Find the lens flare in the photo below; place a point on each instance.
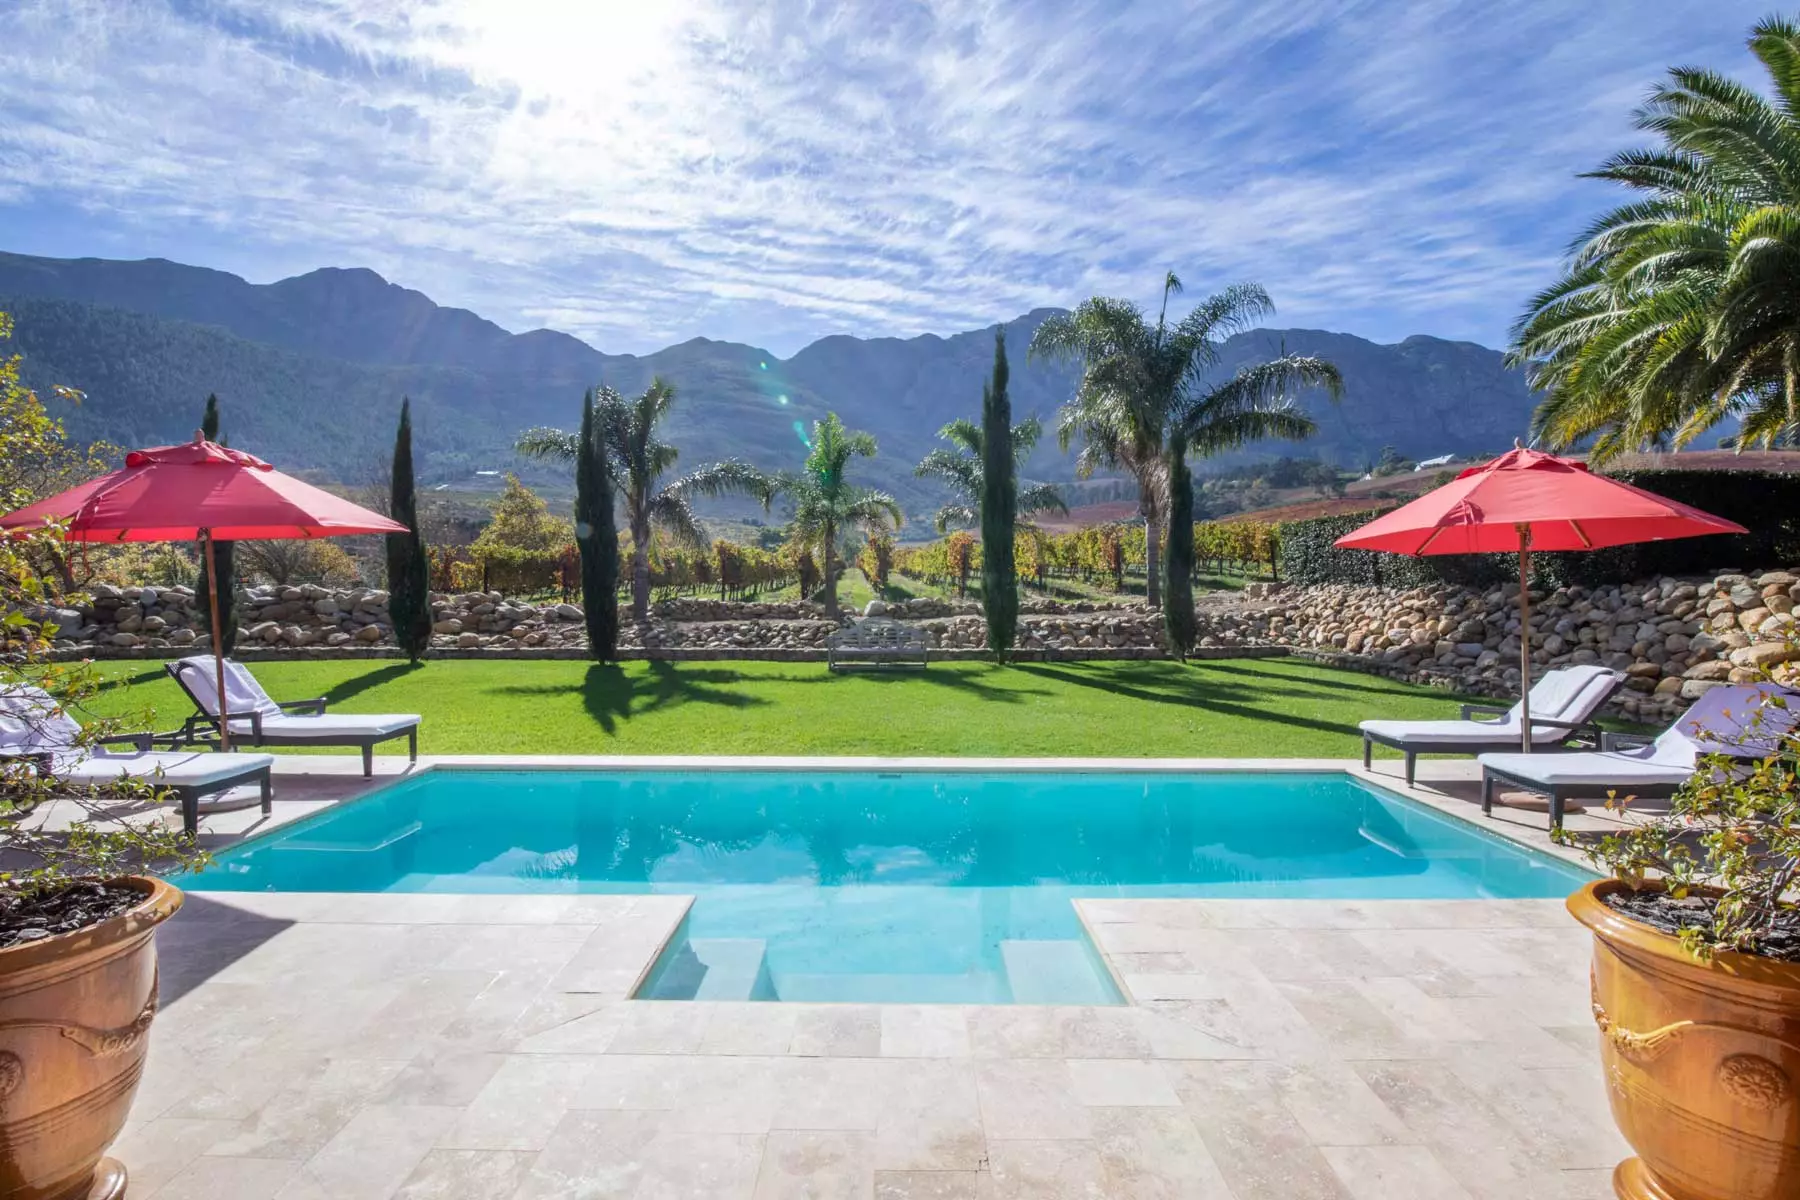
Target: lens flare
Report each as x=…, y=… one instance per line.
x=800, y=432
x=782, y=399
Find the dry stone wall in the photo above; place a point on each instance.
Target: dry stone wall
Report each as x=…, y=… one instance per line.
x=1674, y=638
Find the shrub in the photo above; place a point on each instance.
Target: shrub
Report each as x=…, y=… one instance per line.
x=1728, y=849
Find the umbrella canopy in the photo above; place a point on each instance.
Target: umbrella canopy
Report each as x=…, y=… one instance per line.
x=186, y=492
x=1559, y=501
x=1526, y=500
x=198, y=491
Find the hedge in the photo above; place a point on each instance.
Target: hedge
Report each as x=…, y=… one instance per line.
x=1766, y=503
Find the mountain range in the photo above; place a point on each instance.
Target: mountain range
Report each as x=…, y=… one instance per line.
x=310, y=371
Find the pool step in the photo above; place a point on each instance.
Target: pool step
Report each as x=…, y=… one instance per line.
x=1054, y=972
x=717, y=969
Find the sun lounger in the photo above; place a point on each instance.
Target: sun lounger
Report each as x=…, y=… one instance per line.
x=1633, y=765
x=263, y=722
x=877, y=642
x=1563, y=704
x=33, y=726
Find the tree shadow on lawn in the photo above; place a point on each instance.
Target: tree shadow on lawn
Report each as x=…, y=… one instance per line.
x=1175, y=681
x=1340, y=679
x=1207, y=696
x=958, y=680
x=356, y=685
x=147, y=675
x=610, y=695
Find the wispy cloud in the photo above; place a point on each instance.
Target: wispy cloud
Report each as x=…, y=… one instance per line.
x=642, y=171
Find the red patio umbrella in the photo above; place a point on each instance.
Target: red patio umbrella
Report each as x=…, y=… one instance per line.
x=1526, y=500
x=198, y=491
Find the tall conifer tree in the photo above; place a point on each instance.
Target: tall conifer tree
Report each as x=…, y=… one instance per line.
x=409, y=574
x=595, y=534
x=999, y=508
x=226, y=584
x=1178, y=554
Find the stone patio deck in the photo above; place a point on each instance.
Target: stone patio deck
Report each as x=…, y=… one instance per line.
x=361, y=1047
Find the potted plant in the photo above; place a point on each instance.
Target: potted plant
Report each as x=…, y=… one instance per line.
x=79, y=907
x=1696, y=975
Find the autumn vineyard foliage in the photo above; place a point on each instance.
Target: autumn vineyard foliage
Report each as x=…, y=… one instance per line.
x=1101, y=555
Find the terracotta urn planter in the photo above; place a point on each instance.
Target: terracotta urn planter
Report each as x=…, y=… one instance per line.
x=1702, y=1061
x=75, y=1013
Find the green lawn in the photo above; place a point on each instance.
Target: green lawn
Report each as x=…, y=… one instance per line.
x=1229, y=708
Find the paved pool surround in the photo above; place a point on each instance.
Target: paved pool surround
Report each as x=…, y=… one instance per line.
x=378, y=1045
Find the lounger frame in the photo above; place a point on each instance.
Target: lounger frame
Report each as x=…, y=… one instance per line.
x=187, y=795
x=366, y=742
x=1559, y=794
x=1589, y=729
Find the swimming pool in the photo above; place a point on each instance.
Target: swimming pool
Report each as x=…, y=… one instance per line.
x=916, y=887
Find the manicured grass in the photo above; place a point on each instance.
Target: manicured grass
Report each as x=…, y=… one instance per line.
x=1229, y=708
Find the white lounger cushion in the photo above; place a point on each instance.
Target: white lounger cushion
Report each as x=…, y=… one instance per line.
x=1714, y=724
x=31, y=722
x=1569, y=694
x=1600, y=768
x=174, y=768
x=330, y=725
x=247, y=696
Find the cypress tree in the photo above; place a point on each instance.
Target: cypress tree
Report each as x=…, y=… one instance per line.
x=999, y=509
x=409, y=575
x=596, y=536
x=225, y=586
x=1178, y=555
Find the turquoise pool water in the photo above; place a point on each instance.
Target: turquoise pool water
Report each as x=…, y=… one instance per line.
x=913, y=887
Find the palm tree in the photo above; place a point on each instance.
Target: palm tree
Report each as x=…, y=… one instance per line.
x=639, y=460
x=826, y=503
x=1682, y=308
x=960, y=469
x=1143, y=392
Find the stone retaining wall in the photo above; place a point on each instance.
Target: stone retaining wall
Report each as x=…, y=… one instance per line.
x=1674, y=638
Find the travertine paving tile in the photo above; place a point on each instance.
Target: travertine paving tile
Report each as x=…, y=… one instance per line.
x=455, y=1174
x=521, y=1104
x=591, y=1155
x=1042, y=1170
x=1120, y=1083
x=370, y=1157
x=930, y=1117
x=680, y=1166
x=1029, y=1100
x=1273, y=1049
x=227, y=1179
x=1154, y=1154
x=837, y=1030
x=924, y=1031
x=297, y=1122
x=815, y=1165
x=748, y=1028
x=1261, y=1149
x=1393, y=1173
x=926, y=1185
x=158, y=1150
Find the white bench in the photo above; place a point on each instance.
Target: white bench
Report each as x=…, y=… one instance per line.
x=877, y=642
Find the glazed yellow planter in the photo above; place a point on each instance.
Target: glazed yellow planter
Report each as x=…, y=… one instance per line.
x=1702, y=1061
x=75, y=1013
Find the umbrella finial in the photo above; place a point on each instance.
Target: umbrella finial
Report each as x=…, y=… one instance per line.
x=1517, y=444
x=199, y=436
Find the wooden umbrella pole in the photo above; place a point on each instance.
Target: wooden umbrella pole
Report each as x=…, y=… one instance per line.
x=218, y=641
x=1525, y=738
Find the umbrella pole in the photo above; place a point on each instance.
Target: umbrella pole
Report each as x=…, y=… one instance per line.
x=1525, y=738
x=218, y=640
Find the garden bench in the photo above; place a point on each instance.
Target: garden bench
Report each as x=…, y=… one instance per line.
x=877, y=642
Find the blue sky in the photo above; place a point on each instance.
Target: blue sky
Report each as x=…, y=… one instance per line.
x=641, y=172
